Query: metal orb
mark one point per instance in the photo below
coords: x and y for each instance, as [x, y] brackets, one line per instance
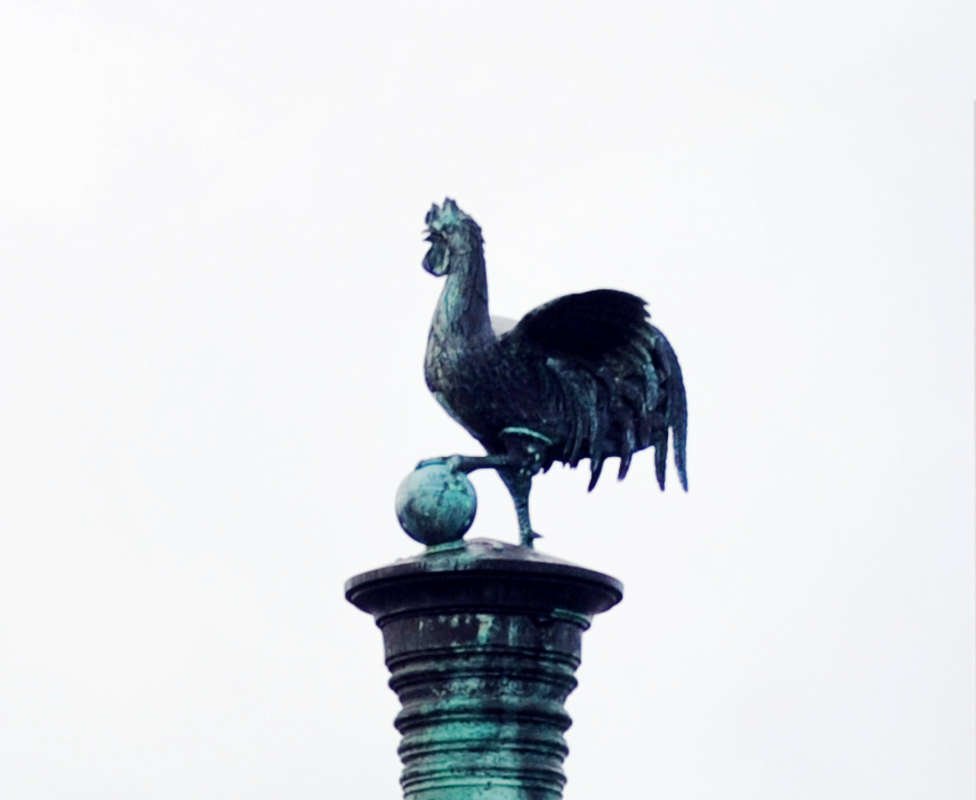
[435, 505]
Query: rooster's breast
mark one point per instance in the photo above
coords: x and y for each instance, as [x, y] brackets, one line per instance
[486, 392]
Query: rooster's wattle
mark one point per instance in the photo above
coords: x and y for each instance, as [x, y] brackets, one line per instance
[583, 376]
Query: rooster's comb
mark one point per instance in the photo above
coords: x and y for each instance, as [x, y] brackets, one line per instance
[447, 215]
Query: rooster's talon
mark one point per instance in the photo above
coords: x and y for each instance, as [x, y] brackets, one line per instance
[453, 463]
[529, 537]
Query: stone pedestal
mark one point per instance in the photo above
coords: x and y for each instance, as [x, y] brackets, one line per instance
[482, 640]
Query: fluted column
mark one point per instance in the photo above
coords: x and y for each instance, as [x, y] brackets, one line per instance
[482, 640]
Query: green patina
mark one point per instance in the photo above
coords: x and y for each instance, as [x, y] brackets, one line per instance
[482, 640]
[585, 376]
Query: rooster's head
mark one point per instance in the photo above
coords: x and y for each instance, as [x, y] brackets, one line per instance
[450, 232]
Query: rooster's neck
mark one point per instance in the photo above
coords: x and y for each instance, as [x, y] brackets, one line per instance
[462, 312]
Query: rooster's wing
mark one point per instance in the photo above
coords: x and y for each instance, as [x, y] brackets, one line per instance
[619, 376]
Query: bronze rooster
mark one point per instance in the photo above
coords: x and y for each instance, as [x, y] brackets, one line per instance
[583, 376]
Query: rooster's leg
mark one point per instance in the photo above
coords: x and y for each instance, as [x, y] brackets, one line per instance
[519, 482]
[516, 469]
[471, 463]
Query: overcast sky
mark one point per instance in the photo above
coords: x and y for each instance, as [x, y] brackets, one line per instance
[213, 322]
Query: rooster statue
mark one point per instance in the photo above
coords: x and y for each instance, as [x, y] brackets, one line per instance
[583, 376]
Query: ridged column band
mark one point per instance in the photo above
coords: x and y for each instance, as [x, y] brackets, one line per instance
[482, 640]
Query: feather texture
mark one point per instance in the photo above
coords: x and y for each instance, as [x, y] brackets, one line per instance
[610, 364]
[587, 374]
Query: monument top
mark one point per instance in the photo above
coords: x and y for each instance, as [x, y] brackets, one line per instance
[487, 574]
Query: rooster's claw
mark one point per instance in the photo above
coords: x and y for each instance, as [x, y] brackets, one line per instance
[453, 463]
[528, 537]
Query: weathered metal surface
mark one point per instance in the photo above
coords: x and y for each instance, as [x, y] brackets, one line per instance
[436, 505]
[482, 640]
[585, 376]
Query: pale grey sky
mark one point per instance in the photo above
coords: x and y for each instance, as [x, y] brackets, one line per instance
[213, 322]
